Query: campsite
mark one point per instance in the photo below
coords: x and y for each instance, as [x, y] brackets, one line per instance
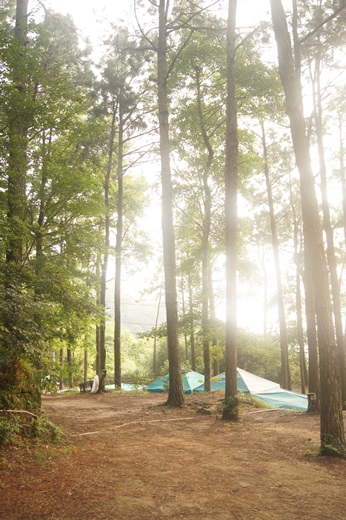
[129, 457]
[172, 266]
[268, 392]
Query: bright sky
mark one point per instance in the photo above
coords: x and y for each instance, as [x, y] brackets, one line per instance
[92, 17]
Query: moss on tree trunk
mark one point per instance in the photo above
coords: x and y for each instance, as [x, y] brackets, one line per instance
[19, 387]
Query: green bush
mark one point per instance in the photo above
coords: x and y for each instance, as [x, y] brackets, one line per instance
[46, 431]
[18, 429]
[10, 428]
[19, 386]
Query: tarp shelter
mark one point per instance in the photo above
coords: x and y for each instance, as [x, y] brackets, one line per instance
[191, 380]
[247, 383]
[284, 399]
[263, 389]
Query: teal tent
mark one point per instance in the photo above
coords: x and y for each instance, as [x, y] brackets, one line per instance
[191, 380]
[247, 383]
[263, 389]
[284, 399]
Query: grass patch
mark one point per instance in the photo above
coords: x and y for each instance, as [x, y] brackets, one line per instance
[46, 453]
[250, 400]
[312, 450]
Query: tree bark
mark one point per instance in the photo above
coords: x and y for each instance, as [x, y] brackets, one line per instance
[69, 367]
[182, 290]
[155, 337]
[285, 367]
[192, 324]
[86, 365]
[175, 393]
[306, 275]
[206, 225]
[98, 300]
[17, 144]
[328, 229]
[61, 366]
[299, 313]
[342, 171]
[332, 427]
[311, 331]
[104, 265]
[118, 253]
[231, 222]
[46, 146]
[214, 341]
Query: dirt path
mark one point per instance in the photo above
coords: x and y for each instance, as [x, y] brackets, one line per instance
[130, 458]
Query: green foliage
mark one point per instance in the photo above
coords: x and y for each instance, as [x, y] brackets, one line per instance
[10, 428]
[49, 299]
[19, 386]
[155, 332]
[136, 357]
[248, 399]
[19, 332]
[20, 429]
[259, 355]
[312, 450]
[44, 430]
[331, 447]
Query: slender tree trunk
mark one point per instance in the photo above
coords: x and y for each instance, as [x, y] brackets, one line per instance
[192, 325]
[118, 253]
[102, 332]
[307, 276]
[41, 214]
[265, 290]
[342, 171]
[98, 301]
[155, 337]
[205, 318]
[17, 164]
[102, 329]
[332, 427]
[205, 238]
[299, 312]
[61, 363]
[175, 393]
[69, 367]
[285, 367]
[343, 188]
[184, 319]
[216, 364]
[231, 222]
[300, 335]
[328, 229]
[85, 365]
[17, 144]
[311, 331]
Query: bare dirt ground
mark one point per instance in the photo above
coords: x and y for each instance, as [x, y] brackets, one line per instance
[128, 457]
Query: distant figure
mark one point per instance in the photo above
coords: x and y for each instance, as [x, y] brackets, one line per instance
[95, 386]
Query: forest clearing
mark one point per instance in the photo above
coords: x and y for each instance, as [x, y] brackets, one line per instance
[130, 457]
[190, 158]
